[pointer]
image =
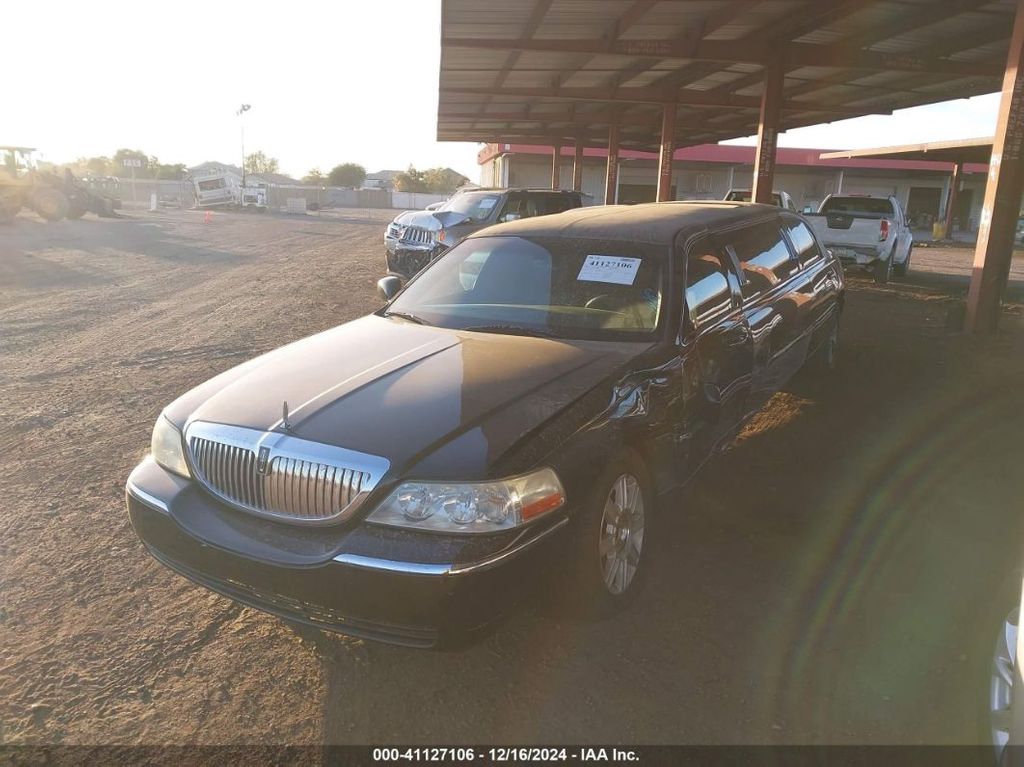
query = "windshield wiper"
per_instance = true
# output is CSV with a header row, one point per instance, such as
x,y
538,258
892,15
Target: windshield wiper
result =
x,y
512,330
407,316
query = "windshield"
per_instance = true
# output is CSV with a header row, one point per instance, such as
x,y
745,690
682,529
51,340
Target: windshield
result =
x,y
581,289
745,197
860,207
476,205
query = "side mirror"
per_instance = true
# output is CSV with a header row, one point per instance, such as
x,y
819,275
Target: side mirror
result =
x,y
388,286
510,217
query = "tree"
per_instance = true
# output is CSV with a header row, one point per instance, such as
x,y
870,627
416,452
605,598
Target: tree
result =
x,y
118,168
347,174
174,172
315,176
98,166
410,180
443,180
258,162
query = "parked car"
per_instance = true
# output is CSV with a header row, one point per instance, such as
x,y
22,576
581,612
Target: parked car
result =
x,y
867,232
517,407
781,199
415,238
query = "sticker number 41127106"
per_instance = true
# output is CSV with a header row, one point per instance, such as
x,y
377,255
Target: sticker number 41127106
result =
x,y
614,269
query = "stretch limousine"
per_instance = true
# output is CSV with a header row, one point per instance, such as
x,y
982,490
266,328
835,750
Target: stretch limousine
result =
x,y
518,407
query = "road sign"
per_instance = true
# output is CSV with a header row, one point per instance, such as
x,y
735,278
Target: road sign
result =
x,y
131,162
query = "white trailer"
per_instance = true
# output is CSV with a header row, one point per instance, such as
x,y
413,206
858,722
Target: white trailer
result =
x,y
225,189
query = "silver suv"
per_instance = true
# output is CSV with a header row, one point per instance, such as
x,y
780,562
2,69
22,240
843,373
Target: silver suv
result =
x,y
417,237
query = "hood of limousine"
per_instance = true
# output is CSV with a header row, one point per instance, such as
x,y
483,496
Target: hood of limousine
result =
x,y
445,403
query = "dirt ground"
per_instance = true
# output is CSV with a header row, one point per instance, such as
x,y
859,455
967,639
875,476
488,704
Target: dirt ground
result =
x,y
853,601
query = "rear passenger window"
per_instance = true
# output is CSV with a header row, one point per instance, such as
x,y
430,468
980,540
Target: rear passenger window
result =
x,y
763,256
551,203
708,295
803,241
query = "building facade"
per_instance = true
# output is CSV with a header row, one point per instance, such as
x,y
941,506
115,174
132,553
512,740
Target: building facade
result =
x,y
708,172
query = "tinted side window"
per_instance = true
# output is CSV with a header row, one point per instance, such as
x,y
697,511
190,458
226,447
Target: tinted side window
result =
x,y
763,255
519,206
803,241
708,295
547,204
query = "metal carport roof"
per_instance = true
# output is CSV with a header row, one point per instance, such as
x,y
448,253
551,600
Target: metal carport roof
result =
x,y
560,70
973,150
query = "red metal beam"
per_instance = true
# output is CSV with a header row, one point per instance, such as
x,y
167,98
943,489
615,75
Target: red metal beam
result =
x,y
954,189
656,96
768,134
668,148
784,30
556,166
611,176
577,166
601,117
537,15
1002,194
734,51
708,25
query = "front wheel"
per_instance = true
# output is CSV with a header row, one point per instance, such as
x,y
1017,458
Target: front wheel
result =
x,y
824,360
51,204
611,539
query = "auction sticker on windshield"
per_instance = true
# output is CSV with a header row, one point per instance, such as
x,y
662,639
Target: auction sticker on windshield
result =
x,y
615,269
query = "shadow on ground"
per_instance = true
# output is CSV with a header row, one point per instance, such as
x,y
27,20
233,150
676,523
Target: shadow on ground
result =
x,y
836,577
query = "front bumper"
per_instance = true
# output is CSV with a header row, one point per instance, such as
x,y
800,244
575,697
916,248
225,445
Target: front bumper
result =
x,y
386,584
406,261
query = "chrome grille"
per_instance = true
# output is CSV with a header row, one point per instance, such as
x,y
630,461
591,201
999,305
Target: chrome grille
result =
x,y
418,235
301,481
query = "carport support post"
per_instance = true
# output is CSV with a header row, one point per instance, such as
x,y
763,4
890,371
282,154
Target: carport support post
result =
x,y
768,133
611,175
954,189
1002,195
556,166
577,166
668,148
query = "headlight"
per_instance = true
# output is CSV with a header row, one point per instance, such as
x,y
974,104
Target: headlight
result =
x,y
479,507
167,447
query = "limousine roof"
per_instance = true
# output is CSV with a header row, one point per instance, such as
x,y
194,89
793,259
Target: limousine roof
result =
x,y
655,223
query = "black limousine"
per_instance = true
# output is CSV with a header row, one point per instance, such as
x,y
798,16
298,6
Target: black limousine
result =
x,y
516,409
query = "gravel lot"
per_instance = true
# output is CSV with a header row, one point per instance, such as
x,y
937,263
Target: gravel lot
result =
x,y
852,600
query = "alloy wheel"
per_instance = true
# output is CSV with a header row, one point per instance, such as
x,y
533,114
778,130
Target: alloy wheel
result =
x,y
622,533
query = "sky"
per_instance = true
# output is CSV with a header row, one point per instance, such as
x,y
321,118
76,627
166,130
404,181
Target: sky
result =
x,y
328,83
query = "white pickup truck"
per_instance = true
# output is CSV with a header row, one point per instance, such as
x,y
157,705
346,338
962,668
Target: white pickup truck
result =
x,y
869,232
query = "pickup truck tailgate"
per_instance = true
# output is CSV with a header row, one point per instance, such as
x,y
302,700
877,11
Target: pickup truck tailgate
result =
x,y
844,229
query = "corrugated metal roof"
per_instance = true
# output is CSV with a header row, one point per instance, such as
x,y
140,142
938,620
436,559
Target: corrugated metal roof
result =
x,y
550,70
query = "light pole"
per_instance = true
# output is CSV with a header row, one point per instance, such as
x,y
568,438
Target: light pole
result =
x,y
241,111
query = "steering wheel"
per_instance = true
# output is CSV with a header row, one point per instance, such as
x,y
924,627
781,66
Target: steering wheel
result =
x,y
614,306
596,301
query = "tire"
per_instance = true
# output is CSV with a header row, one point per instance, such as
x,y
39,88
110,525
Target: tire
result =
x,y
610,545
51,204
900,270
882,271
76,211
824,360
